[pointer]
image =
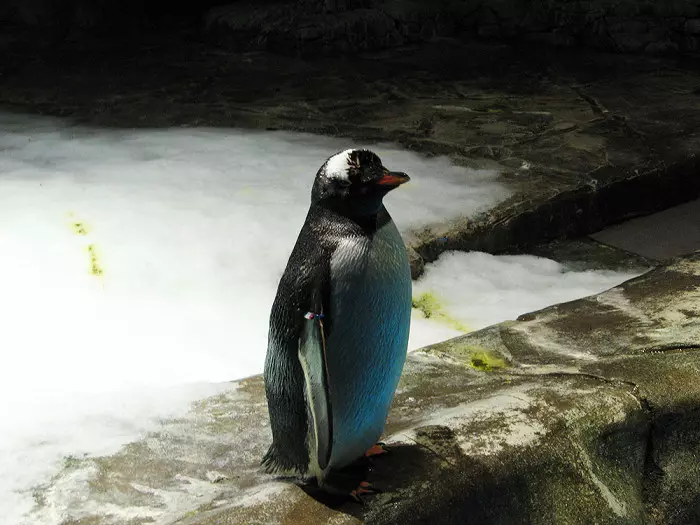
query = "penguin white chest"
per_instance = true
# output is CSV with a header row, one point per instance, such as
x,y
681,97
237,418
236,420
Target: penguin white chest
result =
x,y
370,309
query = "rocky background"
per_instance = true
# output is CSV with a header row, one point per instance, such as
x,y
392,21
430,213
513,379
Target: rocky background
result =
x,y
333,26
350,26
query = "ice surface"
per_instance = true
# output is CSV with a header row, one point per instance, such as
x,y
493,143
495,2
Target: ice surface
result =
x,y
137,269
478,289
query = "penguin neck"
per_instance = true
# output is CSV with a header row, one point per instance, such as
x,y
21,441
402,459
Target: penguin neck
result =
x,y
363,210
357,206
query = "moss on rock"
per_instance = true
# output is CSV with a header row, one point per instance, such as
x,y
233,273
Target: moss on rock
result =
x,y
432,307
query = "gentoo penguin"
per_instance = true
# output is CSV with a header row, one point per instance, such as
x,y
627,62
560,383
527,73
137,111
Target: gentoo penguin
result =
x,y
339,323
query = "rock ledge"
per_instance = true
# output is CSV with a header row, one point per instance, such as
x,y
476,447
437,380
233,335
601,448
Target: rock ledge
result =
x,y
591,416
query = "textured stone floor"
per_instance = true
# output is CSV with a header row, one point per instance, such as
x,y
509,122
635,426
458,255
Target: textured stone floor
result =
x,y
669,233
583,412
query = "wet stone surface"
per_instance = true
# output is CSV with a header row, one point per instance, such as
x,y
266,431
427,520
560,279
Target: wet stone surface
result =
x,y
590,414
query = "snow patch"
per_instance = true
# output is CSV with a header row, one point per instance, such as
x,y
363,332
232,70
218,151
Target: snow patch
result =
x,y
138,269
479,289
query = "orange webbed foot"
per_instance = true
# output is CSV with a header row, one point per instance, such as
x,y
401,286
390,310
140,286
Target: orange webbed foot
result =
x,y
363,489
377,450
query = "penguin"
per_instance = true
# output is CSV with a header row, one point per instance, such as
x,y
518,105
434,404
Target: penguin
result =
x,y
339,324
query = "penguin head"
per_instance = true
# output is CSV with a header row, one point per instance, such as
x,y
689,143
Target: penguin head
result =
x,y
354,181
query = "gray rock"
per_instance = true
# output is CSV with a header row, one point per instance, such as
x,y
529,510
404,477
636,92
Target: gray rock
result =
x,y
693,26
692,43
629,27
215,477
676,23
663,47
489,31
289,29
630,42
584,412
625,26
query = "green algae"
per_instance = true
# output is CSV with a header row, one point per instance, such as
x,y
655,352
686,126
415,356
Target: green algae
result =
x,y
79,228
432,307
473,356
487,361
95,267
427,303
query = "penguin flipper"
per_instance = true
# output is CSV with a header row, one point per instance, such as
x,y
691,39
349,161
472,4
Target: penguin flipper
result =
x,y
298,400
312,355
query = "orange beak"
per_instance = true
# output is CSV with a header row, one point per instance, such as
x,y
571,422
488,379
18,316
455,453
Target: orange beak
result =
x,y
392,179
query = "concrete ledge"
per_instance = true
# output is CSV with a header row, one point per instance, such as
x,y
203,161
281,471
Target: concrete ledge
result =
x,y
584,412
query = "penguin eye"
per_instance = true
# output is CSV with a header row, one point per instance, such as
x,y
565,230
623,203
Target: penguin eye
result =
x,y
370,175
343,183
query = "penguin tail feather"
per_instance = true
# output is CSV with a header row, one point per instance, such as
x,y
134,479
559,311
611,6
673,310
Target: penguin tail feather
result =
x,y
275,463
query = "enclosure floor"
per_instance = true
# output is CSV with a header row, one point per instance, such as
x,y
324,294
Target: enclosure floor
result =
x,y
669,233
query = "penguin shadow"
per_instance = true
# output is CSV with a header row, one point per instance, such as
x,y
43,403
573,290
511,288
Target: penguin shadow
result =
x,y
431,481
389,474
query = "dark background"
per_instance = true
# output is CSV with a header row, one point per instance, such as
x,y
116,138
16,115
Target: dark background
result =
x,y
349,26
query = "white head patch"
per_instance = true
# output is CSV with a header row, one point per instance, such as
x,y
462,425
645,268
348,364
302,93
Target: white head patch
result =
x,y
338,165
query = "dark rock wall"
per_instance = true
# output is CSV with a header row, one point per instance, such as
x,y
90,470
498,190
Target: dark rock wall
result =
x,y
355,25
74,13
650,26
86,14
619,25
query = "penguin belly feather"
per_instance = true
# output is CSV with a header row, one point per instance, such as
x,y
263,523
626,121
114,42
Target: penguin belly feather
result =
x,y
371,308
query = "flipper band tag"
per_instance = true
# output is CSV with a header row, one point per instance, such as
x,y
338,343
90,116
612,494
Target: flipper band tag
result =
x,y
311,315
